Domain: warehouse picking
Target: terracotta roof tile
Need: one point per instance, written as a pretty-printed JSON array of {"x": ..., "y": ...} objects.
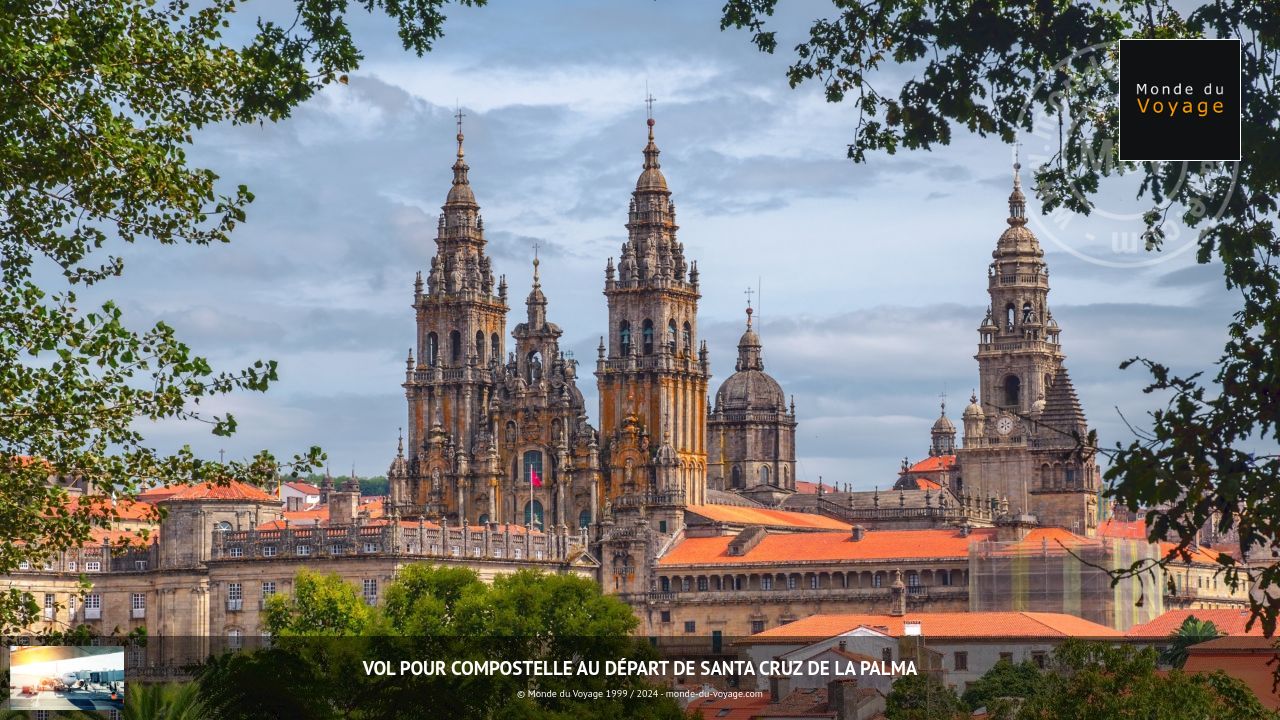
[
  {"x": 737, "y": 515},
  {"x": 234, "y": 490},
  {"x": 1231, "y": 621},
  {"x": 977, "y": 625},
  {"x": 99, "y": 506},
  {"x": 934, "y": 464},
  {"x": 828, "y": 546},
  {"x": 1129, "y": 529},
  {"x": 1247, "y": 659},
  {"x": 304, "y": 488}
]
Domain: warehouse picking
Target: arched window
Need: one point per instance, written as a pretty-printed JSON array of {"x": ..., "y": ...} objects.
[
  {"x": 686, "y": 338},
  {"x": 671, "y": 335},
  {"x": 584, "y": 518},
  {"x": 1012, "y": 390},
  {"x": 536, "y": 521},
  {"x": 433, "y": 349},
  {"x": 480, "y": 347},
  {"x": 223, "y": 526},
  {"x": 1027, "y": 313},
  {"x": 764, "y": 474},
  {"x": 648, "y": 337},
  {"x": 624, "y": 337},
  {"x": 1009, "y": 316},
  {"x": 495, "y": 349},
  {"x": 878, "y": 580},
  {"x": 455, "y": 347},
  {"x": 736, "y": 480},
  {"x": 786, "y": 476},
  {"x": 664, "y": 582},
  {"x": 532, "y": 468},
  {"x": 484, "y": 519},
  {"x": 1070, "y": 476}
]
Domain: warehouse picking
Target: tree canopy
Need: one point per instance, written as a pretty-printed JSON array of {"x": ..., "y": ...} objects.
[
  {"x": 322, "y": 637},
  {"x": 1209, "y": 455},
  {"x": 100, "y": 102}
]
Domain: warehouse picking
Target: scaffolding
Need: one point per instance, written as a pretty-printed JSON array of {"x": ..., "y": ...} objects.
[{"x": 1048, "y": 576}]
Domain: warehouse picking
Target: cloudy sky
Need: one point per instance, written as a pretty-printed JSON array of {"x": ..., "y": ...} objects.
[{"x": 873, "y": 276}]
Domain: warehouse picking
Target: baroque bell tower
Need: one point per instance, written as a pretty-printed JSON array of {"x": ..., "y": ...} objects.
[
  {"x": 1026, "y": 440},
  {"x": 653, "y": 374},
  {"x": 461, "y": 321}
]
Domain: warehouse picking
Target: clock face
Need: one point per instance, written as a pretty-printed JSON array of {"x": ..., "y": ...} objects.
[{"x": 1004, "y": 425}]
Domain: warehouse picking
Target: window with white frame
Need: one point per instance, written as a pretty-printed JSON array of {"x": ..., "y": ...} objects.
[
  {"x": 304, "y": 549},
  {"x": 455, "y": 551},
  {"x": 268, "y": 588},
  {"x": 49, "y": 606},
  {"x": 235, "y": 596},
  {"x": 517, "y": 553},
  {"x": 92, "y": 566},
  {"x": 370, "y": 587},
  {"x": 138, "y": 604},
  {"x": 268, "y": 551},
  {"x": 335, "y": 549},
  {"x": 497, "y": 552},
  {"x": 766, "y": 582},
  {"x": 71, "y": 566},
  {"x": 139, "y": 564},
  {"x": 371, "y": 547},
  {"x": 476, "y": 551},
  {"x": 236, "y": 552},
  {"x": 24, "y": 565}
]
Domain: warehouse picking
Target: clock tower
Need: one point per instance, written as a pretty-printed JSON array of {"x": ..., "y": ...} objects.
[{"x": 1025, "y": 438}]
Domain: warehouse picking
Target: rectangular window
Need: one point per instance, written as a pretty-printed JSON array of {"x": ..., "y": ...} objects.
[
  {"x": 476, "y": 551},
  {"x": 690, "y": 626},
  {"x": 304, "y": 550},
  {"x": 93, "y": 601},
  {"x": 666, "y": 616},
  {"x": 371, "y": 547},
  {"x": 335, "y": 549},
  {"x": 766, "y": 582},
  {"x": 791, "y": 582},
  {"x": 813, "y": 582},
  {"x": 138, "y": 605},
  {"x": 235, "y": 597},
  {"x": 371, "y": 591},
  {"x": 702, "y": 584},
  {"x": 757, "y": 626},
  {"x": 517, "y": 553},
  {"x": 268, "y": 551},
  {"x": 268, "y": 588},
  {"x": 139, "y": 564},
  {"x": 71, "y": 566},
  {"x": 236, "y": 552},
  {"x": 1038, "y": 658},
  {"x": 24, "y": 565},
  {"x": 962, "y": 661},
  {"x": 455, "y": 551},
  {"x": 497, "y": 552},
  {"x": 93, "y": 566},
  {"x": 49, "y": 608}
]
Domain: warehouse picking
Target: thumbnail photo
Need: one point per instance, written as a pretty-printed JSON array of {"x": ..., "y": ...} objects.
[{"x": 88, "y": 679}]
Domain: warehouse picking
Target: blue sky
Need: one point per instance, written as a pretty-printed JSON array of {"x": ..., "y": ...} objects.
[{"x": 873, "y": 276}]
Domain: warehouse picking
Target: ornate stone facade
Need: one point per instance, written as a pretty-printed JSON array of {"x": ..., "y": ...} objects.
[{"x": 1025, "y": 436}]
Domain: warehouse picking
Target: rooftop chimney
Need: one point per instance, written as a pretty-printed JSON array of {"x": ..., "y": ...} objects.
[{"x": 858, "y": 532}]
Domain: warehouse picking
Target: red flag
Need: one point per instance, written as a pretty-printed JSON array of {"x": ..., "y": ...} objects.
[{"x": 534, "y": 480}]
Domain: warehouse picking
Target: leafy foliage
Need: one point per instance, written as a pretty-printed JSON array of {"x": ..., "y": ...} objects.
[
  {"x": 923, "y": 697},
  {"x": 100, "y": 101},
  {"x": 1192, "y": 631},
  {"x": 321, "y": 638},
  {"x": 1003, "y": 680},
  {"x": 1101, "y": 682},
  {"x": 980, "y": 67}
]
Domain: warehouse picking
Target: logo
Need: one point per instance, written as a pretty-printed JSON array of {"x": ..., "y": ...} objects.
[{"x": 1071, "y": 114}]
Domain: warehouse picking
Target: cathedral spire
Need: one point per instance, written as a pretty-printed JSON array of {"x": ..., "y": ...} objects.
[
  {"x": 749, "y": 357},
  {"x": 537, "y": 301},
  {"x": 460, "y": 193},
  {"x": 1017, "y": 201}
]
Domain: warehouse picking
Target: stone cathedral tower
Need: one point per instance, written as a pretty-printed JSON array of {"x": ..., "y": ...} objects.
[
  {"x": 653, "y": 375},
  {"x": 1025, "y": 435},
  {"x": 460, "y": 326}
]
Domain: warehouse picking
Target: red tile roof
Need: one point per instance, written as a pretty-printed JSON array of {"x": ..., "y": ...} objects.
[
  {"x": 806, "y": 488},
  {"x": 957, "y": 625},
  {"x": 729, "y": 708},
  {"x": 1230, "y": 621},
  {"x": 737, "y": 515},
  {"x": 234, "y": 490},
  {"x": 934, "y": 464},
  {"x": 924, "y": 483},
  {"x": 304, "y": 488},
  {"x": 828, "y": 546},
  {"x": 1129, "y": 529},
  {"x": 104, "y": 507}
]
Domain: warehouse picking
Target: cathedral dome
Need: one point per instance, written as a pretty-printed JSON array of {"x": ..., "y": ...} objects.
[
  {"x": 974, "y": 410},
  {"x": 750, "y": 388},
  {"x": 943, "y": 424}
]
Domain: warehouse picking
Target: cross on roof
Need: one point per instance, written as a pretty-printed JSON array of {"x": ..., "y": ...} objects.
[
  {"x": 650, "y": 100},
  {"x": 459, "y": 115},
  {"x": 749, "y": 292}
]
